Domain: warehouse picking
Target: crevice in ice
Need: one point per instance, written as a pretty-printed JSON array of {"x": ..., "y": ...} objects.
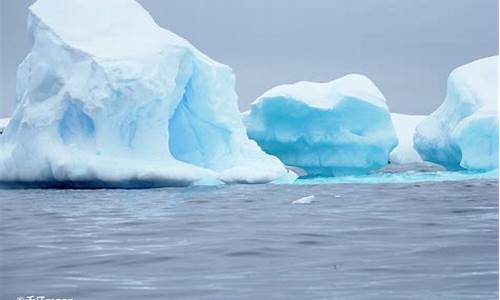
[
  {"x": 128, "y": 131},
  {"x": 76, "y": 127},
  {"x": 192, "y": 138}
]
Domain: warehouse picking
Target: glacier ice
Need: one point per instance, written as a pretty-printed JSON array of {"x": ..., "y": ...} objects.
[
  {"x": 336, "y": 128},
  {"x": 405, "y": 125},
  {"x": 463, "y": 131},
  {"x": 107, "y": 98},
  {"x": 3, "y": 124}
]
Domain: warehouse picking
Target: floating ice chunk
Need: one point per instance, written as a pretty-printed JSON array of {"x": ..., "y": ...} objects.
[
  {"x": 463, "y": 131},
  {"x": 305, "y": 200},
  {"x": 107, "y": 98},
  {"x": 405, "y": 129},
  {"x": 328, "y": 129}
]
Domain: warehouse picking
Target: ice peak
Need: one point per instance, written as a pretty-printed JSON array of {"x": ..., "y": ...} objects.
[{"x": 106, "y": 29}]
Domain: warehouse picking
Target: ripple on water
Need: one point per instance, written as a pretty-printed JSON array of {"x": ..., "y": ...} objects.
[{"x": 386, "y": 241}]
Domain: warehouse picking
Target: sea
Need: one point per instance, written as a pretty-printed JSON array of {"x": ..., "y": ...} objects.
[{"x": 382, "y": 238}]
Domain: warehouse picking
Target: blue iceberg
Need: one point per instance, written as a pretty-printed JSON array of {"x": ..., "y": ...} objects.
[{"x": 342, "y": 127}]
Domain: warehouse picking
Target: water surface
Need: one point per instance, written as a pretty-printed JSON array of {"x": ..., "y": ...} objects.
[{"x": 434, "y": 240}]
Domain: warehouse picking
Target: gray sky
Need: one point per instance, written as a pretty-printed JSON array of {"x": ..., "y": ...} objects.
[{"x": 407, "y": 47}]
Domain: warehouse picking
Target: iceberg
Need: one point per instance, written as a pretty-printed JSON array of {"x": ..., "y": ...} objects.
[
  {"x": 463, "y": 131},
  {"x": 405, "y": 126},
  {"x": 107, "y": 98},
  {"x": 305, "y": 200},
  {"x": 3, "y": 124},
  {"x": 342, "y": 127}
]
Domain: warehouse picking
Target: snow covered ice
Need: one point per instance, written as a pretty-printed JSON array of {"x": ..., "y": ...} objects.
[
  {"x": 3, "y": 124},
  {"x": 341, "y": 127},
  {"x": 463, "y": 131},
  {"x": 405, "y": 125},
  {"x": 106, "y": 97}
]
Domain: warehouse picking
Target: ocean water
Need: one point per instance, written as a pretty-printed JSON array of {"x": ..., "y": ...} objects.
[{"x": 411, "y": 240}]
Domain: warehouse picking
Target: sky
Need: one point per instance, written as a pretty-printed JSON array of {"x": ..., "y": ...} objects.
[{"x": 406, "y": 47}]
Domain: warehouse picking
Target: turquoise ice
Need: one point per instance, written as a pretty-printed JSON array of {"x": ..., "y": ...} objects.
[{"x": 342, "y": 127}]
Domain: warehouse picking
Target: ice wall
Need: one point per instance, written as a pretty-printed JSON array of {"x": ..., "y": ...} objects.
[
  {"x": 463, "y": 131},
  {"x": 108, "y": 98}
]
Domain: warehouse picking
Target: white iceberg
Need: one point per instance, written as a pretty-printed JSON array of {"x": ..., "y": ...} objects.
[
  {"x": 463, "y": 131},
  {"x": 329, "y": 129},
  {"x": 3, "y": 124},
  {"x": 405, "y": 125},
  {"x": 108, "y": 98}
]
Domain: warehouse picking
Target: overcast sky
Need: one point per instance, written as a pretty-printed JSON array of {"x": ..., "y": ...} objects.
[{"x": 407, "y": 47}]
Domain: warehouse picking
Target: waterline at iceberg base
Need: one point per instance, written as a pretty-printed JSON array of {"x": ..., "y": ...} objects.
[{"x": 410, "y": 176}]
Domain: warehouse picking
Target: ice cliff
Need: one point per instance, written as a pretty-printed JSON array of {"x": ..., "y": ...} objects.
[
  {"x": 3, "y": 124},
  {"x": 108, "y": 98},
  {"x": 463, "y": 131},
  {"x": 336, "y": 128},
  {"x": 405, "y": 126}
]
